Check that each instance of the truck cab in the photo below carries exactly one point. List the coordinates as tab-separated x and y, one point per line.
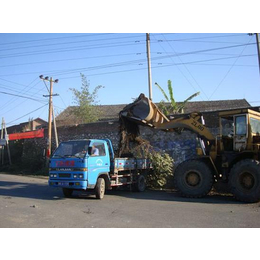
74	166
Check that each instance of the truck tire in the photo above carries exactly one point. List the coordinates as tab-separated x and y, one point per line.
140	184
67	192
193	178
100	188
244	180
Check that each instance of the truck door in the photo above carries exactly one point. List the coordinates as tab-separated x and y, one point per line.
98	161
241	132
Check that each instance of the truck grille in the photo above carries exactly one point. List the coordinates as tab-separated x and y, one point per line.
64	175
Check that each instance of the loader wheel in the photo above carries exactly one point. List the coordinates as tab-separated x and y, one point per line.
100	188
244	180
193	179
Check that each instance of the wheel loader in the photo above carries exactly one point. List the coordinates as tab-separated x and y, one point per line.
231	157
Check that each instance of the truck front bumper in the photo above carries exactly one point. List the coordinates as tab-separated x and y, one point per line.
69	184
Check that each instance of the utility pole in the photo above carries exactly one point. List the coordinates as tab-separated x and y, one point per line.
258	47
149	65
2	136
7	143
48	151
55	128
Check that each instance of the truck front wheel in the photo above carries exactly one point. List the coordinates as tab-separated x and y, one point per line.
193	178
100	188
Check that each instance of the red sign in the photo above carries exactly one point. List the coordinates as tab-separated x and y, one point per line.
65	163
27	135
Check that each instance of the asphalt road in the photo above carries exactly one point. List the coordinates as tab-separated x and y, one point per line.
28	202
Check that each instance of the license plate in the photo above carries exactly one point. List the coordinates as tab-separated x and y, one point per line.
63	183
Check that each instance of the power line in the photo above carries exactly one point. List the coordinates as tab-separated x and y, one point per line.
53	44
96	46
139	69
187	70
10	102
81	58
26	114
78	48
60	72
56	38
15	95
225	76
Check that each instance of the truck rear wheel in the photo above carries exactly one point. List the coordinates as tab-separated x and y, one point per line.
244	180
100	188
67	192
140	184
193	179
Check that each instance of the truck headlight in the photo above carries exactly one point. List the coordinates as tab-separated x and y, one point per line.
75	176
81	176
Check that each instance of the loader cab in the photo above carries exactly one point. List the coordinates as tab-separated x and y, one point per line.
240	130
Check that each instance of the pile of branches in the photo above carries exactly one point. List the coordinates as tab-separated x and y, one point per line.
132	145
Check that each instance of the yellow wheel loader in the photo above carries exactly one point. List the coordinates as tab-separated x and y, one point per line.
232	156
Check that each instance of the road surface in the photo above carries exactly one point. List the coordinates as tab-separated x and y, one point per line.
28	202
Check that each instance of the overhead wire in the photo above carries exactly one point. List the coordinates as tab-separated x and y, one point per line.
133	61
25	115
227	73
187	70
56	38
63	43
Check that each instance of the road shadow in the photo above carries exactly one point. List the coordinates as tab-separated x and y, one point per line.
29	190
44	192
171	195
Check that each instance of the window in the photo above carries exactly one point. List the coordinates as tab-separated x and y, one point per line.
241	126
101	149
255	125
72	149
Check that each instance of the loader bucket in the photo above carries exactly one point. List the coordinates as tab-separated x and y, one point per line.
144	111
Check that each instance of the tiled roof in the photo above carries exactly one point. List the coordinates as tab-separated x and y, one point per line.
109	112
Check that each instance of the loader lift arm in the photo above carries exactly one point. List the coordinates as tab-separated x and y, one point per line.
144	112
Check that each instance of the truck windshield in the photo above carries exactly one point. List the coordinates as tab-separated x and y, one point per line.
69	149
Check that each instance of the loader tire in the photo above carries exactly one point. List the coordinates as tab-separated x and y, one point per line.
193	178
244	180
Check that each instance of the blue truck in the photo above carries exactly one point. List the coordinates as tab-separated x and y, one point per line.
90	164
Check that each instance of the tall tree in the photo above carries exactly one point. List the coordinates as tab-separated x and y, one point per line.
173	107
87	104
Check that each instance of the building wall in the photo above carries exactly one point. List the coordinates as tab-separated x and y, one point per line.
179	146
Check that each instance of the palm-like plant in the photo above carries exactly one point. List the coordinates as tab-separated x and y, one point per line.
173	107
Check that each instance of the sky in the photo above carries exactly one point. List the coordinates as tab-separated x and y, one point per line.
218	65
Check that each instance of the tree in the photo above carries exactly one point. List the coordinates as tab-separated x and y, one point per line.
173	107
87	104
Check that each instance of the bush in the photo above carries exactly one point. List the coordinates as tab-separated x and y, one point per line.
162	170
162	162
